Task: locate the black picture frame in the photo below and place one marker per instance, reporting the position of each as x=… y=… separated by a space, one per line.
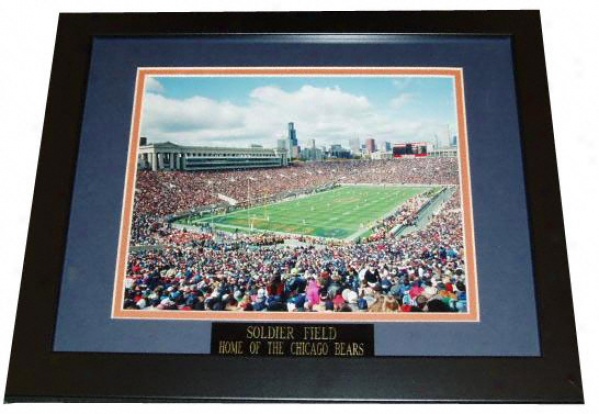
x=37 y=373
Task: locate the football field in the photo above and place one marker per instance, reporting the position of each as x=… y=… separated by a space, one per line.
x=339 y=213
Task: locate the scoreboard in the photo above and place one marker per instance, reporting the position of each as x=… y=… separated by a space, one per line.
x=410 y=150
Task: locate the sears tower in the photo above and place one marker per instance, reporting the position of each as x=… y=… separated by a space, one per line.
x=292 y=136
x=292 y=142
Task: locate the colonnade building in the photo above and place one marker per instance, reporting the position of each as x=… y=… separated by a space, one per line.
x=173 y=157
x=444 y=152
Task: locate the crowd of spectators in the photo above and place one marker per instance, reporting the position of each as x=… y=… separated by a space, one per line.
x=422 y=271
x=163 y=193
x=406 y=215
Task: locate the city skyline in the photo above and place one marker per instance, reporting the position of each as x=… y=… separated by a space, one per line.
x=239 y=111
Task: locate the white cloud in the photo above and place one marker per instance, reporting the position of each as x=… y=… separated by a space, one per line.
x=154 y=85
x=328 y=115
x=402 y=100
x=196 y=113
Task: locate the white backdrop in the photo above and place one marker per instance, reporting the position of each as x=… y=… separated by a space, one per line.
x=28 y=30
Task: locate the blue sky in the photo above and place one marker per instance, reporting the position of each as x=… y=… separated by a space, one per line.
x=238 y=111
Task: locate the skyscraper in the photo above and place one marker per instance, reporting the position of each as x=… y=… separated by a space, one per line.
x=370 y=145
x=292 y=135
x=292 y=139
x=337 y=151
x=354 y=146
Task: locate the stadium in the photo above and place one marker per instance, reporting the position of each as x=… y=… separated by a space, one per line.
x=251 y=230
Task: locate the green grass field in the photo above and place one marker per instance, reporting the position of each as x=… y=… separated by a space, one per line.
x=340 y=213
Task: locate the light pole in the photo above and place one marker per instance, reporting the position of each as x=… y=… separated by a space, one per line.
x=265 y=206
x=249 y=202
x=211 y=183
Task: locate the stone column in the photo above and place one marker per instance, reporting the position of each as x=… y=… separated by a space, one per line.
x=153 y=161
x=160 y=160
x=171 y=161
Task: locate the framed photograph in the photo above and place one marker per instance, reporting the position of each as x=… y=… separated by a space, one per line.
x=298 y=232
x=364 y=200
